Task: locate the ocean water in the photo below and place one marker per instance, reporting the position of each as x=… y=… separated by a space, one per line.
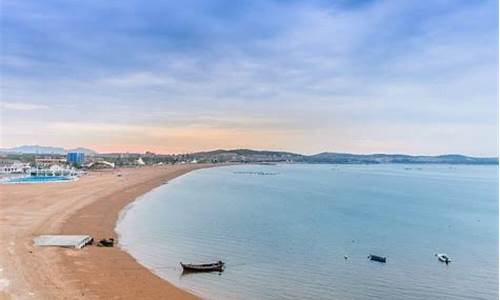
x=283 y=231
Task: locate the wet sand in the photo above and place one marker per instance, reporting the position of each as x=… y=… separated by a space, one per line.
x=90 y=206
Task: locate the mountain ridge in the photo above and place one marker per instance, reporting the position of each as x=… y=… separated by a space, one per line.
x=250 y=155
x=38 y=149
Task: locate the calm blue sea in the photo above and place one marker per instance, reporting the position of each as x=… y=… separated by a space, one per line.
x=284 y=230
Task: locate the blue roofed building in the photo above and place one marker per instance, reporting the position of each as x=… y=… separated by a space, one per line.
x=75 y=158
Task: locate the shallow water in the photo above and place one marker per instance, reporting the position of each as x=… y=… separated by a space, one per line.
x=283 y=231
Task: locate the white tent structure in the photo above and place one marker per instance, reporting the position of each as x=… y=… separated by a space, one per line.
x=69 y=241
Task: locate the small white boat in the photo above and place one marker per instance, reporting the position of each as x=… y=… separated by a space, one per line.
x=443 y=257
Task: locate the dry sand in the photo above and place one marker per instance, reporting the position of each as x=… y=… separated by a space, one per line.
x=88 y=206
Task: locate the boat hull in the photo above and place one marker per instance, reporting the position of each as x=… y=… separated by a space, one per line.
x=216 y=267
x=443 y=258
x=377 y=258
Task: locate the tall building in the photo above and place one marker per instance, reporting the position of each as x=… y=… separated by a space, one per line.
x=76 y=158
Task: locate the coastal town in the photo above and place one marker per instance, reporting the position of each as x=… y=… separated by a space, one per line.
x=72 y=164
x=47 y=161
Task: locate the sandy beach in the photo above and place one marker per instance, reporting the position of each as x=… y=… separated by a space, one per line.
x=90 y=206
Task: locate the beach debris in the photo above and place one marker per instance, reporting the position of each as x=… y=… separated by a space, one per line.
x=67 y=241
x=106 y=242
x=381 y=259
x=211 y=267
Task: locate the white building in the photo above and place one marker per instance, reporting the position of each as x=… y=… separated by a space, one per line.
x=13 y=167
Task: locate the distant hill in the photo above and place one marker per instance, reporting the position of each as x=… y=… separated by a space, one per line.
x=247 y=155
x=265 y=156
x=249 y=152
x=37 y=149
x=345 y=158
x=87 y=151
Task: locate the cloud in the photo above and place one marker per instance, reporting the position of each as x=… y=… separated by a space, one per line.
x=21 y=106
x=310 y=66
x=135 y=80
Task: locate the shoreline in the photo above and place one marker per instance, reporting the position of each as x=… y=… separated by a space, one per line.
x=91 y=205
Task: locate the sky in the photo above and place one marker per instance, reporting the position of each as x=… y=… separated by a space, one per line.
x=414 y=77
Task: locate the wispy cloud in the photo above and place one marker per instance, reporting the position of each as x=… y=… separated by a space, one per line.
x=21 y=106
x=322 y=67
x=135 y=80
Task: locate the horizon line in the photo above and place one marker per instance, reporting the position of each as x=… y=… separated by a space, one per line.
x=252 y=149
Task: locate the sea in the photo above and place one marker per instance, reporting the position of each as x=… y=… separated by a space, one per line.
x=305 y=231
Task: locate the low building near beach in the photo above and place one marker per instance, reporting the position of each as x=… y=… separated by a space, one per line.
x=100 y=164
x=46 y=162
x=140 y=162
x=13 y=167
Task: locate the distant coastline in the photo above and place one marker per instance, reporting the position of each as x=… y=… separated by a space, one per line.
x=250 y=156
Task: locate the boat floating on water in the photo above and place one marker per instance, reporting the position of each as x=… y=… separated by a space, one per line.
x=213 y=267
x=377 y=258
x=443 y=257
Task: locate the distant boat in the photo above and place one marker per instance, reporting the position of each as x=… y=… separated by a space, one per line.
x=377 y=258
x=218 y=266
x=443 y=257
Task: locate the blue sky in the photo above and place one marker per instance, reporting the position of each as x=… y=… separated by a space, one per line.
x=418 y=77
